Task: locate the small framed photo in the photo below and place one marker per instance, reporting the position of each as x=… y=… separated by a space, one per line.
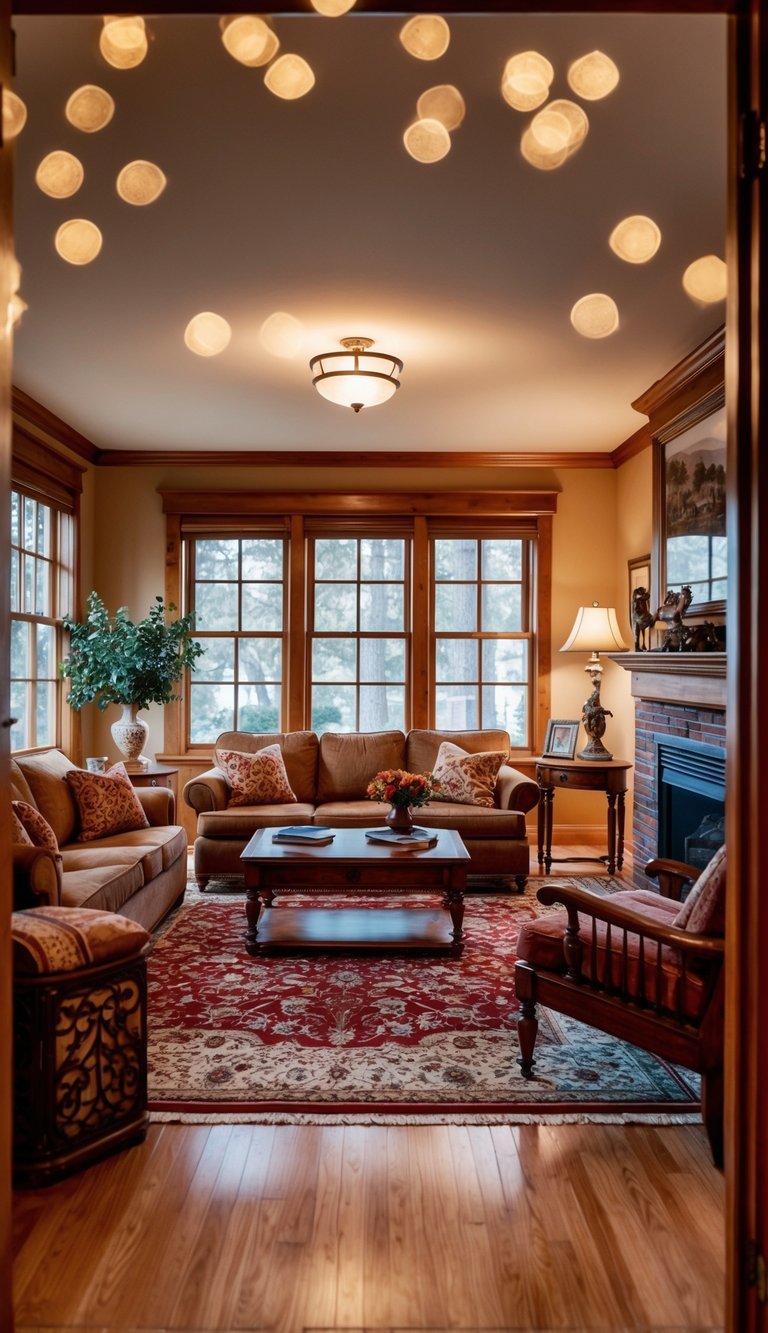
x=560 y=740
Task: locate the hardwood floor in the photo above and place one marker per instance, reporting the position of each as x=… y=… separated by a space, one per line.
x=380 y=1229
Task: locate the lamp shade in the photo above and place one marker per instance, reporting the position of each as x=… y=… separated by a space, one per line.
x=356 y=377
x=595 y=630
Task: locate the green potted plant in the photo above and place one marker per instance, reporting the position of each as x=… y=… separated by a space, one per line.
x=134 y=664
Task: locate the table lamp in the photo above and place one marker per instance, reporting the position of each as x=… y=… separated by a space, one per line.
x=595 y=630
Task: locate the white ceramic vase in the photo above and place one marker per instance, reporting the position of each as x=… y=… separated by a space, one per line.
x=130 y=734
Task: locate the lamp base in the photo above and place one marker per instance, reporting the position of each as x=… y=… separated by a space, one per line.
x=596 y=751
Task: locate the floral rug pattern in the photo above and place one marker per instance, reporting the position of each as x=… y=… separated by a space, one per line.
x=330 y=1030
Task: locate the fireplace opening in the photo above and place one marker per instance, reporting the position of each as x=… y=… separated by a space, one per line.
x=691 y=793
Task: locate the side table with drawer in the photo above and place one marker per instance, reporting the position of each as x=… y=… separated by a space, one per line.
x=610 y=776
x=156 y=775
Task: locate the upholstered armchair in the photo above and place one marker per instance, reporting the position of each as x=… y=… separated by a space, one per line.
x=639 y=966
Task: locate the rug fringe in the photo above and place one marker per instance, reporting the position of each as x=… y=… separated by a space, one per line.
x=511 y=1118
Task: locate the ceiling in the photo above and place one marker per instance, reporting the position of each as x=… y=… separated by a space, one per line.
x=466 y=269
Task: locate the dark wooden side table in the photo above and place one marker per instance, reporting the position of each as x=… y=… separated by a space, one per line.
x=156 y=775
x=610 y=776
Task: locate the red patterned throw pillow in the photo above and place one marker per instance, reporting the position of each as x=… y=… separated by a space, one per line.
x=19 y=835
x=35 y=826
x=703 y=912
x=256 y=779
x=467 y=779
x=107 y=803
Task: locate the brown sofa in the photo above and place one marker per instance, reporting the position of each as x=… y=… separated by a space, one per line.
x=329 y=775
x=140 y=874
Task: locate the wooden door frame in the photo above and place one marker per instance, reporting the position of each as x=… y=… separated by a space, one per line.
x=746 y=376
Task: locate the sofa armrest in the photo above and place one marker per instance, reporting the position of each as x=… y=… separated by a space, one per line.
x=159 y=805
x=672 y=876
x=208 y=791
x=514 y=791
x=36 y=877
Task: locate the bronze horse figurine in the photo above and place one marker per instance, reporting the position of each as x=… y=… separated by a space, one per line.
x=642 y=618
x=670 y=613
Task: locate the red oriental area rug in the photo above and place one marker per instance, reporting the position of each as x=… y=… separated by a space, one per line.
x=300 y=1037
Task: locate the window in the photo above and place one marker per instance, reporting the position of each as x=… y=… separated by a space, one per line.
x=41 y=591
x=238 y=595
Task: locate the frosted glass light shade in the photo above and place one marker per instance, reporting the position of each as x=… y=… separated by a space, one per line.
x=356 y=377
x=78 y=241
x=290 y=77
x=595 y=316
x=207 y=334
x=635 y=239
x=332 y=9
x=426 y=36
x=89 y=108
x=60 y=174
x=14 y=114
x=281 y=335
x=706 y=279
x=526 y=80
x=249 y=39
x=123 y=41
x=595 y=630
x=445 y=103
x=427 y=140
x=593 y=76
x=141 y=183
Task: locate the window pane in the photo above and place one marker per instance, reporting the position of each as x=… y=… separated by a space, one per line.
x=455 y=607
x=218 y=660
x=381 y=558
x=19 y=649
x=336 y=607
x=212 y=710
x=29 y=524
x=262 y=606
x=333 y=708
x=382 y=707
x=502 y=558
x=456 y=708
x=15 y=517
x=456 y=659
x=502 y=607
x=42 y=589
x=216 y=606
x=382 y=659
x=719 y=589
x=334 y=659
x=19 y=706
x=456 y=559
x=261 y=659
x=46 y=652
x=505 y=706
x=505 y=659
x=15 y=581
x=28 y=591
x=43 y=544
x=719 y=559
x=336 y=558
x=258 y=708
x=45 y=714
x=262 y=558
x=381 y=606
x=687 y=560
x=216 y=559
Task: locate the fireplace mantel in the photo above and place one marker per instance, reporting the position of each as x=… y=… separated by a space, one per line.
x=696 y=679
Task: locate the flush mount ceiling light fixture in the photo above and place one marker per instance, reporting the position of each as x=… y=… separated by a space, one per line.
x=356 y=378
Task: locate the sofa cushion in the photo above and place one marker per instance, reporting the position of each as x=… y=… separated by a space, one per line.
x=50 y=940
x=298 y=748
x=256 y=779
x=422 y=745
x=169 y=839
x=20 y=788
x=472 y=821
x=46 y=779
x=348 y=760
x=467 y=779
x=35 y=826
x=107 y=803
x=106 y=888
x=703 y=912
x=243 y=821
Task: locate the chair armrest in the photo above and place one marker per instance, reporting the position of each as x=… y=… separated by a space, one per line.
x=36 y=877
x=672 y=876
x=575 y=901
x=208 y=791
x=514 y=791
x=159 y=805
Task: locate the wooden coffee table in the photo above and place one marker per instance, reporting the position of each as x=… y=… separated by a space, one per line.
x=353 y=867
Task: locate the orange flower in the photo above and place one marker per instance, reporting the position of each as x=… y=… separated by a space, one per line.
x=401 y=788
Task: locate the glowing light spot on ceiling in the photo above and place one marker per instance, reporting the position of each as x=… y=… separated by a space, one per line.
x=282 y=335
x=427 y=140
x=445 y=103
x=595 y=316
x=14 y=114
x=635 y=239
x=141 y=183
x=249 y=39
x=123 y=40
x=526 y=80
x=78 y=241
x=89 y=108
x=332 y=9
x=706 y=279
x=207 y=334
x=426 y=36
x=593 y=76
x=290 y=77
x=555 y=132
x=59 y=175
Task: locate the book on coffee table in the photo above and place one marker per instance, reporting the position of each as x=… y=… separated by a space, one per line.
x=417 y=840
x=306 y=833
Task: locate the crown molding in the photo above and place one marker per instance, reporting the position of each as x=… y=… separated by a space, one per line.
x=491 y=502
x=633 y=445
x=702 y=369
x=303 y=458
x=39 y=423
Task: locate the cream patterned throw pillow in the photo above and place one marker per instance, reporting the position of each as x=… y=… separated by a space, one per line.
x=256 y=779
x=107 y=803
x=703 y=912
x=467 y=779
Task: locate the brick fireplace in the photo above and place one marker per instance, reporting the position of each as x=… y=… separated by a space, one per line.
x=679 y=774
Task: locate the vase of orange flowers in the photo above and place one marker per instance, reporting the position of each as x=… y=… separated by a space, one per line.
x=404 y=791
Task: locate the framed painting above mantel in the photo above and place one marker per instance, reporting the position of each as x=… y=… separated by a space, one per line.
x=689 y=502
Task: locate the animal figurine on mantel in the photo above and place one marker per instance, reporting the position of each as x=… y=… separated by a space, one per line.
x=678 y=637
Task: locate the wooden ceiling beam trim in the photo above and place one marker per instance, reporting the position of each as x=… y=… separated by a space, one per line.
x=383 y=459
x=38 y=421
x=633 y=445
x=499 y=503
x=698 y=373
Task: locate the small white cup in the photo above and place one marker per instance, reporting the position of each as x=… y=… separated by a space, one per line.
x=98 y=764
